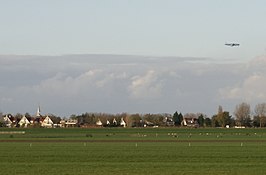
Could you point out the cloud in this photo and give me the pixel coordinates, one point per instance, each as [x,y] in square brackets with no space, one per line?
[252,88]
[64,85]
[146,86]
[113,83]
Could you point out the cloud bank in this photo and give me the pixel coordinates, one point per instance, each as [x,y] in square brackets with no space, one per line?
[72,84]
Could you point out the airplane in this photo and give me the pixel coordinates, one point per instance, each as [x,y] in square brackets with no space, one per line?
[232,44]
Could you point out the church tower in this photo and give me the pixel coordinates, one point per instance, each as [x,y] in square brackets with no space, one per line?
[38,114]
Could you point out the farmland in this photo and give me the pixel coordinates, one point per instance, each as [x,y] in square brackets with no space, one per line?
[132,151]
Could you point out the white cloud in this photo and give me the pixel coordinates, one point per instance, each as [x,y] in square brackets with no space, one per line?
[68,86]
[252,88]
[74,84]
[260,60]
[109,78]
[146,86]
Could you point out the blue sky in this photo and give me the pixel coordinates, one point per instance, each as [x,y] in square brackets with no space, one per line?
[139,27]
[136,56]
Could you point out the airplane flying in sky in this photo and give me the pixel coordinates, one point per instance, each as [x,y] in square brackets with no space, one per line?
[232,44]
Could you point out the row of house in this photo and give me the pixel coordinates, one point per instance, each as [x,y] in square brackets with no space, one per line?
[114,123]
[38,120]
[46,122]
[11,121]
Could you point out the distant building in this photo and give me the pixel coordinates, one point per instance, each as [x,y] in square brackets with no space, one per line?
[99,123]
[190,122]
[24,122]
[36,120]
[38,114]
[68,123]
[47,122]
[169,121]
[123,123]
[114,122]
[7,121]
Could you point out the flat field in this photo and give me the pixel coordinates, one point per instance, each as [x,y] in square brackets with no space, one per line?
[132,151]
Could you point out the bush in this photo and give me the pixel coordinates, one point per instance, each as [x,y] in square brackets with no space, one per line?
[88,135]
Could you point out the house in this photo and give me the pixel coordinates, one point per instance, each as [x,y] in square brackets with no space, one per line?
[99,123]
[114,122]
[24,122]
[190,122]
[14,120]
[123,123]
[7,121]
[68,123]
[148,124]
[47,122]
[169,121]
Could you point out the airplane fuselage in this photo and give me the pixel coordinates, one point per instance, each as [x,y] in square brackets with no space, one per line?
[232,44]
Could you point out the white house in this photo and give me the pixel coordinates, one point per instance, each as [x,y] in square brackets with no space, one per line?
[24,122]
[190,121]
[99,123]
[68,123]
[114,122]
[7,121]
[47,122]
[123,123]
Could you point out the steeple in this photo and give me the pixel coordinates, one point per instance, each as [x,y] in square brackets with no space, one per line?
[38,112]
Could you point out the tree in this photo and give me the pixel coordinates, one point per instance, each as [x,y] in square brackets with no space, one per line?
[260,112]
[201,120]
[136,120]
[208,122]
[214,121]
[175,118]
[18,116]
[242,113]
[259,121]
[222,118]
[2,124]
[27,115]
[178,118]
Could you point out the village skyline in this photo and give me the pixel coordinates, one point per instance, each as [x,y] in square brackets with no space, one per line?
[243,116]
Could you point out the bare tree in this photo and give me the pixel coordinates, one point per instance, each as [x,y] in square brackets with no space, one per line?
[242,113]
[260,112]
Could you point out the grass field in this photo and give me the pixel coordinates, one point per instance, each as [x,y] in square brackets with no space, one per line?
[133,151]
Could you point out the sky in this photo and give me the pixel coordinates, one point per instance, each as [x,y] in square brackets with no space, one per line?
[137,56]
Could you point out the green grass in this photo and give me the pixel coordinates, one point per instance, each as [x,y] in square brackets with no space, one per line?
[135,134]
[188,154]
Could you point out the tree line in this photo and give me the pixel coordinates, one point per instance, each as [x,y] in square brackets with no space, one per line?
[244,117]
